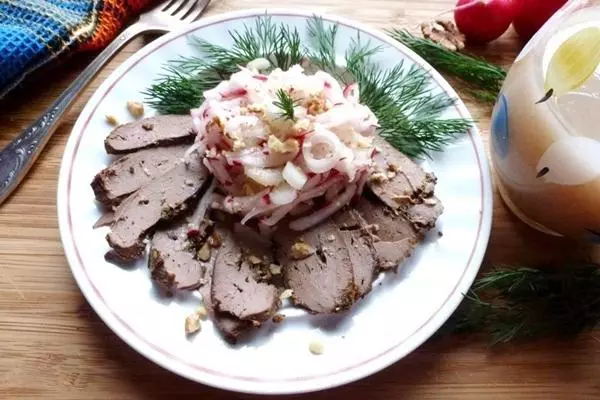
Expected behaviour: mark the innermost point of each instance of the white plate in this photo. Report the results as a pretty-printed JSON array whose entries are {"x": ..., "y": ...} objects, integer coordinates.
[{"x": 394, "y": 319}]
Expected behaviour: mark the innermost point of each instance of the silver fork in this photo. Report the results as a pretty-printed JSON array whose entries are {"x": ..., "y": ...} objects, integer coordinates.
[{"x": 17, "y": 158}]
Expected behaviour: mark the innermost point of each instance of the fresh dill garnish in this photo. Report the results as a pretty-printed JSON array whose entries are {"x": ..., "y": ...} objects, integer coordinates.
[
  {"x": 527, "y": 303},
  {"x": 181, "y": 87},
  {"x": 286, "y": 104},
  {"x": 484, "y": 78},
  {"x": 402, "y": 98}
]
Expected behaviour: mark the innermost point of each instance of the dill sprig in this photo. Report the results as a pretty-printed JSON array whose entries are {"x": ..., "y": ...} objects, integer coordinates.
[
  {"x": 402, "y": 98},
  {"x": 286, "y": 104},
  {"x": 483, "y": 78},
  {"x": 528, "y": 303},
  {"x": 185, "y": 79}
]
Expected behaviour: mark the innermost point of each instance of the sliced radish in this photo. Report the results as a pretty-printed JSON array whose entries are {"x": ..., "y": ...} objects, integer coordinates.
[
  {"x": 351, "y": 92},
  {"x": 313, "y": 219},
  {"x": 294, "y": 176}
]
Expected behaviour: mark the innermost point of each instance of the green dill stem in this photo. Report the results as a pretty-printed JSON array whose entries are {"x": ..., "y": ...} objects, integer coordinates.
[
  {"x": 472, "y": 70},
  {"x": 286, "y": 104}
]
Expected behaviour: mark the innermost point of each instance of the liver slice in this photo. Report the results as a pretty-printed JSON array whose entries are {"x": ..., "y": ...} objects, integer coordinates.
[{"x": 155, "y": 131}]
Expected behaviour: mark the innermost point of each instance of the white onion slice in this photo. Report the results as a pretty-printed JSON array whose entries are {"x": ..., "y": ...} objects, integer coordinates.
[
  {"x": 294, "y": 176},
  {"x": 313, "y": 219},
  {"x": 283, "y": 194},
  {"x": 321, "y": 136},
  {"x": 252, "y": 157},
  {"x": 264, "y": 176}
]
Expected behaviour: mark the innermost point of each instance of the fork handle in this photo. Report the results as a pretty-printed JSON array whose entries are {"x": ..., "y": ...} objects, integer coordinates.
[{"x": 19, "y": 155}]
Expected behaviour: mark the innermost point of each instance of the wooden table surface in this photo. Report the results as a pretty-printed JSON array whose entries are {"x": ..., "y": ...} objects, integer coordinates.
[{"x": 53, "y": 345}]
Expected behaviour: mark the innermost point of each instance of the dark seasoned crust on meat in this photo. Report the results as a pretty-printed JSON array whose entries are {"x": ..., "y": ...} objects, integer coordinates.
[
  {"x": 132, "y": 171},
  {"x": 163, "y": 198},
  {"x": 160, "y": 130}
]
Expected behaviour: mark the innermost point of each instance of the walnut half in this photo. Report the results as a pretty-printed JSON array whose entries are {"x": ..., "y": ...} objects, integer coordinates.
[{"x": 444, "y": 33}]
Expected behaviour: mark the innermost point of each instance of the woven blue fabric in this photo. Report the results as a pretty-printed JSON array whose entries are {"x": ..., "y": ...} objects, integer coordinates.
[{"x": 33, "y": 32}]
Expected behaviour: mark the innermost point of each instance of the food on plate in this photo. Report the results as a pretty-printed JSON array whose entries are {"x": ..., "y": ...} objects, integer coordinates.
[
  {"x": 149, "y": 132},
  {"x": 132, "y": 171},
  {"x": 287, "y": 192},
  {"x": 161, "y": 199}
]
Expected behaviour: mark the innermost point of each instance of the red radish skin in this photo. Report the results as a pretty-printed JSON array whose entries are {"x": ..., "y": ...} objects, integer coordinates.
[
  {"x": 530, "y": 15},
  {"x": 482, "y": 21}
]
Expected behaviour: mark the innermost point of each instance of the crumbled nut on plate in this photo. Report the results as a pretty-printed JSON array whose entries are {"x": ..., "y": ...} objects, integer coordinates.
[
  {"x": 331, "y": 237},
  {"x": 393, "y": 167},
  {"x": 111, "y": 119},
  {"x": 286, "y": 294},
  {"x": 275, "y": 269},
  {"x": 135, "y": 108},
  {"x": 192, "y": 323},
  {"x": 214, "y": 240},
  {"x": 254, "y": 260},
  {"x": 316, "y": 347},
  {"x": 278, "y": 318},
  {"x": 379, "y": 177},
  {"x": 204, "y": 252},
  {"x": 391, "y": 174},
  {"x": 202, "y": 312},
  {"x": 301, "y": 250}
]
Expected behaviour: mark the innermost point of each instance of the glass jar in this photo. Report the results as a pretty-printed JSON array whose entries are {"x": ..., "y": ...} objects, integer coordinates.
[{"x": 546, "y": 154}]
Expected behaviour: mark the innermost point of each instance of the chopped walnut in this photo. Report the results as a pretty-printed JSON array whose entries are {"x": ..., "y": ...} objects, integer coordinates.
[
  {"x": 444, "y": 33},
  {"x": 278, "y": 318},
  {"x": 378, "y": 177},
  {"x": 316, "y": 347},
  {"x": 286, "y": 294},
  {"x": 202, "y": 312},
  {"x": 275, "y": 269},
  {"x": 192, "y": 324},
  {"x": 135, "y": 108},
  {"x": 254, "y": 260},
  {"x": 315, "y": 105},
  {"x": 301, "y": 250},
  {"x": 402, "y": 199},
  {"x": 204, "y": 252},
  {"x": 277, "y": 146},
  {"x": 302, "y": 126},
  {"x": 363, "y": 141},
  {"x": 393, "y": 167},
  {"x": 214, "y": 240},
  {"x": 391, "y": 175},
  {"x": 148, "y": 126},
  {"x": 111, "y": 119}
]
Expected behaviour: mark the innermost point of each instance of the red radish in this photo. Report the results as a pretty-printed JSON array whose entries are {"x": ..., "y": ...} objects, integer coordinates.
[
  {"x": 482, "y": 21},
  {"x": 530, "y": 15}
]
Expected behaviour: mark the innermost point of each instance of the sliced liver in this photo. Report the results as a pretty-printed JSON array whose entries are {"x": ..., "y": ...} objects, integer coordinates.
[
  {"x": 323, "y": 282},
  {"x": 410, "y": 182},
  {"x": 161, "y": 199},
  {"x": 161, "y": 130},
  {"x": 132, "y": 171},
  {"x": 235, "y": 289},
  {"x": 173, "y": 261}
]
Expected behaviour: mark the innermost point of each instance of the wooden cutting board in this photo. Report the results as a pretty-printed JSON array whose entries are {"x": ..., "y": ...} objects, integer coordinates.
[{"x": 53, "y": 346}]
